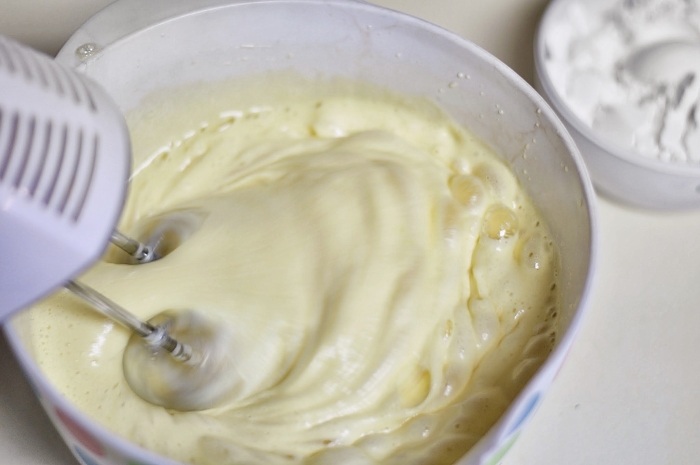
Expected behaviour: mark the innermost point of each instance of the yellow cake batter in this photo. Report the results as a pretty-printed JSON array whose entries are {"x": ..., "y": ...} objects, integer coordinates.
[{"x": 387, "y": 282}]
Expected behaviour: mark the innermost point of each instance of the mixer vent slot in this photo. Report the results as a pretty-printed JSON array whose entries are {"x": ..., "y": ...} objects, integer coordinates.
[
  {"x": 47, "y": 162},
  {"x": 8, "y": 135},
  {"x": 26, "y": 63},
  {"x": 6, "y": 60}
]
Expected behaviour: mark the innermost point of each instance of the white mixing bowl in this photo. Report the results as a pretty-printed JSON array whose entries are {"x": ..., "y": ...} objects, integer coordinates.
[{"x": 133, "y": 48}]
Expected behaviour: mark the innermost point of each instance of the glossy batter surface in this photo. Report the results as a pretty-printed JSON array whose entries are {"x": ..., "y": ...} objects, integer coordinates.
[{"x": 388, "y": 285}]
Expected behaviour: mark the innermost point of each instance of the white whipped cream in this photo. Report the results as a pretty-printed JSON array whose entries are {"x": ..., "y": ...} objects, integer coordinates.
[{"x": 630, "y": 70}]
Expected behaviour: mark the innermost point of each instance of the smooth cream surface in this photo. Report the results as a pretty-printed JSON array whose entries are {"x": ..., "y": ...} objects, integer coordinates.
[{"x": 388, "y": 283}]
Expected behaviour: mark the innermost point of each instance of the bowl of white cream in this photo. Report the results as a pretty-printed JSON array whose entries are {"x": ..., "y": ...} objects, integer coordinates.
[
  {"x": 395, "y": 230},
  {"x": 624, "y": 76}
]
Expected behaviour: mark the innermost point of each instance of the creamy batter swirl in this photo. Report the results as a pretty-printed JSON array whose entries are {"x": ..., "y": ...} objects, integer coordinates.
[{"x": 388, "y": 284}]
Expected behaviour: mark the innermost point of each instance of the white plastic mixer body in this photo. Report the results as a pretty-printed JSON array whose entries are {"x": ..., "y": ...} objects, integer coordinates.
[{"x": 64, "y": 165}]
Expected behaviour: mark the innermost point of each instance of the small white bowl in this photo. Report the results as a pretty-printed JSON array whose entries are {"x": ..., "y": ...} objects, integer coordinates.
[
  {"x": 619, "y": 174},
  {"x": 139, "y": 47}
]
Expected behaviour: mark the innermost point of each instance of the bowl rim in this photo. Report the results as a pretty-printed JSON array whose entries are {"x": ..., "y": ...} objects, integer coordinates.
[
  {"x": 60, "y": 402},
  {"x": 684, "y": 169},
  {"x": 500, "y": 431}
]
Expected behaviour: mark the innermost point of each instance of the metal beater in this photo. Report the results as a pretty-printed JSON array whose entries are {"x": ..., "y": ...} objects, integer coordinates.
[{"x": 64, "y": 164}]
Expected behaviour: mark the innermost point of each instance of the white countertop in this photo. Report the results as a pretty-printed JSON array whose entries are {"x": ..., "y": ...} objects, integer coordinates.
[{"x": 629, "y": 392}]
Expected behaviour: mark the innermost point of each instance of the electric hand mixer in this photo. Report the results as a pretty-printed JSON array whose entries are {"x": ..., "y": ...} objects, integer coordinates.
[{"x": 64, "y": 164}]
